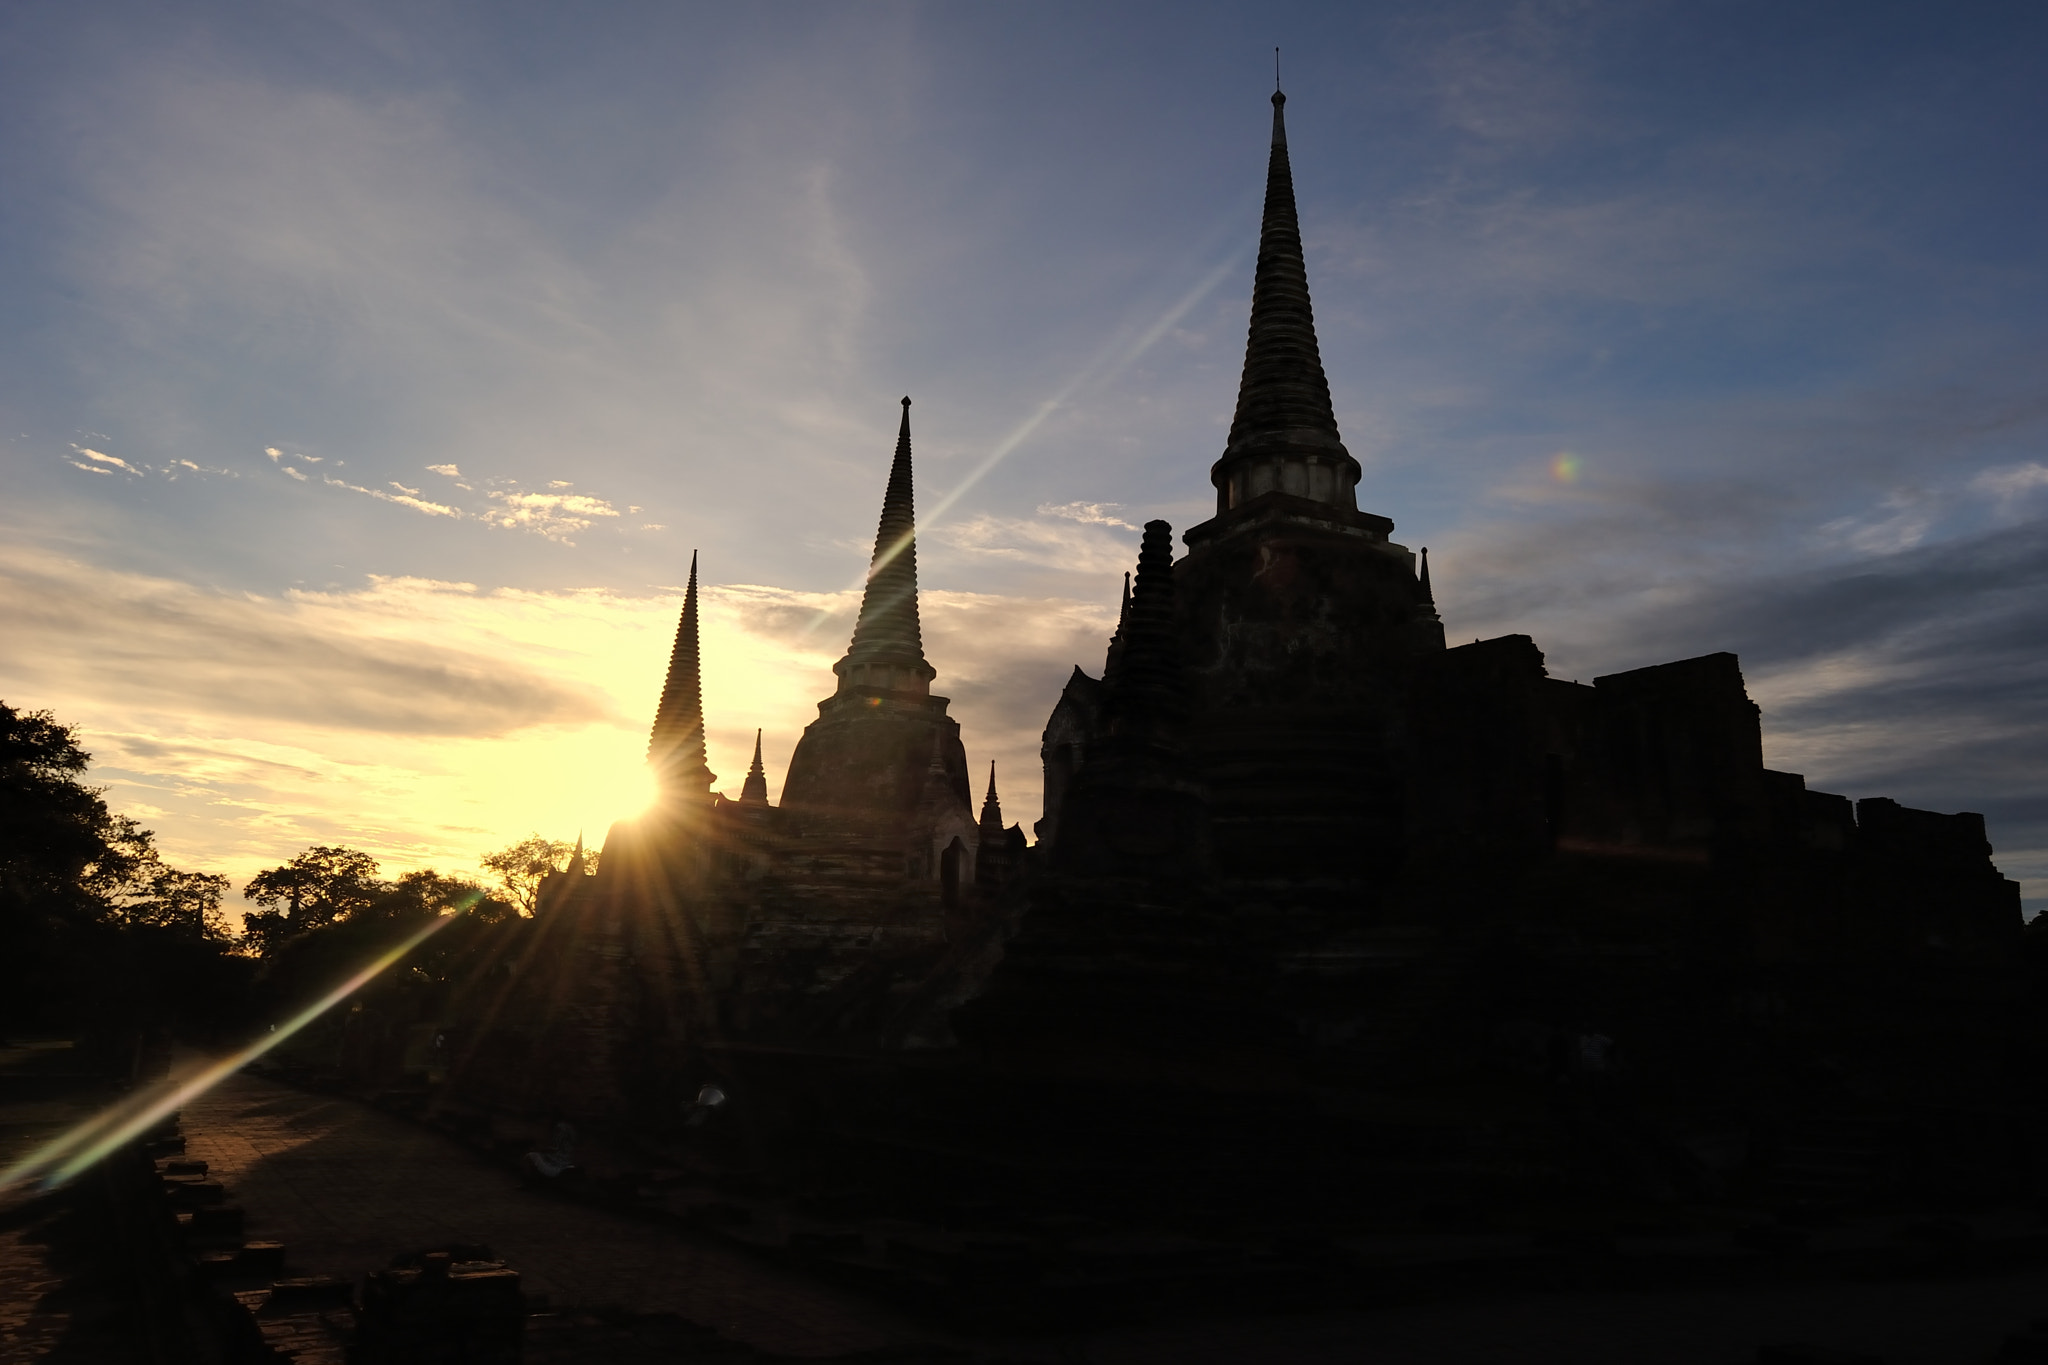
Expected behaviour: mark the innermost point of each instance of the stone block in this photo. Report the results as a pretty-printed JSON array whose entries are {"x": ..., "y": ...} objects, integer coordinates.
[
  {"x": 192, "y": 1194},
  {"x": 217, "y": 1220},
  {"x": 441, "y": 1310},
  {"x": 307, "y": 1293},
  {"x": 265, "y": 1259}
]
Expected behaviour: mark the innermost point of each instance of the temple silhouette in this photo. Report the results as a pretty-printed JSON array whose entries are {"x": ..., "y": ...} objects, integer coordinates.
[{"x": 1324, "y": 918}]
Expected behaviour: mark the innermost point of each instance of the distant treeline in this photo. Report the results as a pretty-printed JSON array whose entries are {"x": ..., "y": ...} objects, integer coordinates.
[{"x": 102, "y": 940}]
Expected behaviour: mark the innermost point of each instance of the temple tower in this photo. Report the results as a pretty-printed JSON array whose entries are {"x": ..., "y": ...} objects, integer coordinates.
[
  {"x": 883, "y": 767},
  {"x": 1301, "y": 622}
]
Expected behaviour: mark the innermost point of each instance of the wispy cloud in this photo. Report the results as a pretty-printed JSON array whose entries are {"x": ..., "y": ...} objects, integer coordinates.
[
  {"x": 557, "y": 516},
  {"x": 103, "y": 463},
  {"x": 103, "y": 459},
  {"x": 2011, "y": 482},
  {"x": 1054, "y": 542}
]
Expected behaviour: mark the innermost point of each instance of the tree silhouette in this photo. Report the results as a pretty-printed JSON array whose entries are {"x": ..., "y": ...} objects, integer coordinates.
[
  {"x": 95, "y": 928},
  {"x": 520, "y": 867},
  {"x": 318, "y": 887}
]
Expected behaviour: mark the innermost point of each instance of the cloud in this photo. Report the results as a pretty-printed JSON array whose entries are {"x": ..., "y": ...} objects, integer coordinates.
[
  {"x": 405, "y": 497},
  {"x": 171, "y": 470},
  {"x": 1054, "y": 542},
  {"x": 2011, "y": 482},
  {"x": 1087, "y": 513},
  {"x": 446, "y": 470},
  {"x": 556, "y": 516},
  {"x": 165, "y": 646},
  {"x": 99, "y": 458},
  {"x": 1900, "y": 524},
  {"x": 103, "y": 463}
]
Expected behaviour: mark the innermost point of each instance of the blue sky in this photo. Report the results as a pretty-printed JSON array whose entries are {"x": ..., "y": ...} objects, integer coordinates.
[{"x": 1668, "y": 328}]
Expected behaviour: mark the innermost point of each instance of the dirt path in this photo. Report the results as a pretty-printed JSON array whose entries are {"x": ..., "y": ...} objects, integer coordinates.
[{"x": 345, "y": 1187}]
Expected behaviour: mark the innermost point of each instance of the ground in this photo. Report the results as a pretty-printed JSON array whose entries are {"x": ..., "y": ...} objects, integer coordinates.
[{"x": 345, "y": 1187}]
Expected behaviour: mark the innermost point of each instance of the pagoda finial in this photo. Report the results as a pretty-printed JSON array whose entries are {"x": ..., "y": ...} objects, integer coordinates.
[
  {"x": 1116, "y": 641},
  {"x": 1425, "y": 600},
  {"x": 888, "y": 645},
  {"x": 575, "y": 868},
  {"x": 991, "y": 807},
  {"x": 675, "y": 749},
  {"x": 754, "y": 791},
  {"x": 1284, "y": 436}
]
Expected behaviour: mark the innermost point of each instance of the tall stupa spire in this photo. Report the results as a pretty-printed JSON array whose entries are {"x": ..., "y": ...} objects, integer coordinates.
[
  {"x": 1284, "y": 436},
  {"x": 888, "y": 647},
  {"x": 675, "y": 749}
]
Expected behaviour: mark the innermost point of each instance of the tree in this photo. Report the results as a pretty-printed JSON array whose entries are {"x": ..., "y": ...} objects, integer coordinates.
[
  {"x": 521, "y": 867},
  {"x": 417, "y": 895},
  {"x": 318, "y": 887},
  {"x": 97, "y": 932},
  {"x": 136, "y": 888},
  {"x": 52, "y": 826}
]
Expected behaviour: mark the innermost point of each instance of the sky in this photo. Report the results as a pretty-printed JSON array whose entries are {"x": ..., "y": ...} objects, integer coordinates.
[{"x": 370, "y": 371}]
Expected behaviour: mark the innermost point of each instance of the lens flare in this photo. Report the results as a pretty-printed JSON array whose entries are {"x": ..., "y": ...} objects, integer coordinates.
[
  {"x": 1565, "y": 466},
  {"x": 1105, "y": 367},
  {"x": 636, "y": 792},
  {"x": 66, "y": 1155}
]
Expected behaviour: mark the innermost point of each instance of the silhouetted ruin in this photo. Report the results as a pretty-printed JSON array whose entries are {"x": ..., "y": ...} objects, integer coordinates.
[{"x": 1325, "y": 919}]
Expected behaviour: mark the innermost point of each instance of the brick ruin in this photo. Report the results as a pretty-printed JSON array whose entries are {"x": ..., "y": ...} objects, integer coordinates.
[{"x": 1297, "y": 855}]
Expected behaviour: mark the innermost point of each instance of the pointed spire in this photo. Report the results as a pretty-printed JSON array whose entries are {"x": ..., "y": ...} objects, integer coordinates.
[
  {"x": 754, "y": 791},
  {"x": 1284, "y": 435},
  {"x": 991, "y": 807},
  {"x": 575, "y": 868},
  {"x": 675, "y": 749},
  {"x": 1116, "y": 641},
  {"x": 1148, "y": 678},
  {"x": 888, "y": 646},
  {"x": 1425, "y": 600}
]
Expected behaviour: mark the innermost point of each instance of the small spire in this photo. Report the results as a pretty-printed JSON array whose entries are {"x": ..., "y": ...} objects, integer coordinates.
[
  {"x": 888, "y": 642},
  {"x": 575, "y": 868},
  {"x": 1425, "y": 600},
  {"x": 1116, "y": 641},
  {"x": 991, "y": 807},
  {"x": 675, "y": 749},
  {"x": 754, "y": 791}
]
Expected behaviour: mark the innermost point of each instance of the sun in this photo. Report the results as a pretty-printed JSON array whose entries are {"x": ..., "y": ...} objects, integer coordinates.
[{"x": 635, "y": 792}]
